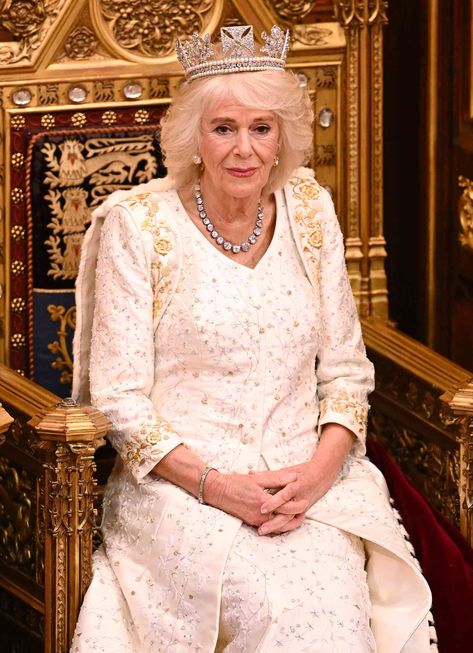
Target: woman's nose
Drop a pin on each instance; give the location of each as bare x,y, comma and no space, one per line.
243,143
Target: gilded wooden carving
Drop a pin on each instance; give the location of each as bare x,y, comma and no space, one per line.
466,212
460,401
17,517
434,469
69,436
149,29
27,21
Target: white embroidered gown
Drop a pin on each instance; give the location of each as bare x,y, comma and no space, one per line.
231,369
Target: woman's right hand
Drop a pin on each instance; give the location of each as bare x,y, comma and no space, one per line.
242,495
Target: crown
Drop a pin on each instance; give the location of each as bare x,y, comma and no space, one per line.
239,53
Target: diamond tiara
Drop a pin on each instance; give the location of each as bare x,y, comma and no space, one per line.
239,53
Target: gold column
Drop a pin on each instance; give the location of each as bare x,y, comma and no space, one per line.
69,435
365,243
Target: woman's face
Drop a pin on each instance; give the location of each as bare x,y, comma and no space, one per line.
238,147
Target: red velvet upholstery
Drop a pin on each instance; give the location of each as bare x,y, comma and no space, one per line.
445,557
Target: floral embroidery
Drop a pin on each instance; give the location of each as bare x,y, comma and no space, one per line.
163,246
136,448
307,190
306,217
161,273
154,432
345,404
146,200
315,236
134,452
162,243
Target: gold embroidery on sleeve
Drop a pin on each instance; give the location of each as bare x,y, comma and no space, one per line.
138,447
344,404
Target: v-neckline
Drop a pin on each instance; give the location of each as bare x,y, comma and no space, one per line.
200,236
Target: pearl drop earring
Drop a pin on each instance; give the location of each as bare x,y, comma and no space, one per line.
197,159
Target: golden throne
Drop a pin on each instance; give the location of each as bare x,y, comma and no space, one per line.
84,85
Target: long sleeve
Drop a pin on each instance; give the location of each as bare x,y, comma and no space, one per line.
345,375
122,346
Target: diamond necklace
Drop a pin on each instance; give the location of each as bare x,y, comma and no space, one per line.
220,240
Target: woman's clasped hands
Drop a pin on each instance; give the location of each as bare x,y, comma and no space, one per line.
272,501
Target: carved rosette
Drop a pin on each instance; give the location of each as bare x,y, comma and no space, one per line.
27,21
81,43
69,435
144,30
292,10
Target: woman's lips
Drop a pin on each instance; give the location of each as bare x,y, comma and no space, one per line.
241,172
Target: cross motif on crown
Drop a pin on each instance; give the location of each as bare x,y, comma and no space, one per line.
237,41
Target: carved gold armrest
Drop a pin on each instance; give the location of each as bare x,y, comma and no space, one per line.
460,401
69,435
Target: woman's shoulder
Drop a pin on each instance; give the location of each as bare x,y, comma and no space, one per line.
138,200
145,208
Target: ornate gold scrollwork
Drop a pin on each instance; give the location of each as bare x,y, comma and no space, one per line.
17,501
142,30
466,212
26,21
67,320
292,10
434,469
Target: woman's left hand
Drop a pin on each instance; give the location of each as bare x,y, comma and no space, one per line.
314,478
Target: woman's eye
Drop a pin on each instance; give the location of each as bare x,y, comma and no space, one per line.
223,129
262,129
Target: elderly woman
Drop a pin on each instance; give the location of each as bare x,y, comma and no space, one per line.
225,348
